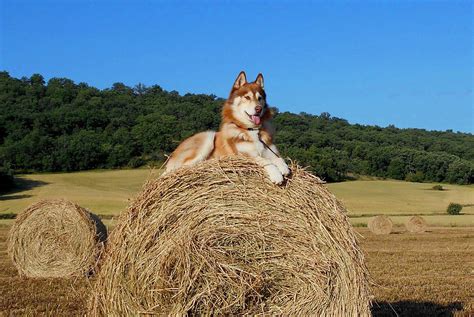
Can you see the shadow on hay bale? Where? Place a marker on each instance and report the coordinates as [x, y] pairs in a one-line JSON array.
[[56, 238], [220, 239], [380, 225], [416, 224]]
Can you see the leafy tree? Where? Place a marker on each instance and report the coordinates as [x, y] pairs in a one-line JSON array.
[[416, 177], [80, 151], [460, 172], [454, 209], [64, 126], [7, 182], [396, 168]]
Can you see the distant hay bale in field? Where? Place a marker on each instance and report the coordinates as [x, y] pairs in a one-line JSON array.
[[220, 239], [380, 225], [56, 238], [416, 224]]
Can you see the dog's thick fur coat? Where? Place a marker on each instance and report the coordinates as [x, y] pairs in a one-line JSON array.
[[245, 130]]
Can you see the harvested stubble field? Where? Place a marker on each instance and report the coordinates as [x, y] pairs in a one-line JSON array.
[[429, 274], [106, 192]]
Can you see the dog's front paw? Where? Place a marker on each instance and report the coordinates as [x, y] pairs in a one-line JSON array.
[[282, 167], [274, 174]]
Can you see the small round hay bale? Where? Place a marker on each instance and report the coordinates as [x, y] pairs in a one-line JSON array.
[[220, 239], [416, 224], [56, 238], [380, 225]]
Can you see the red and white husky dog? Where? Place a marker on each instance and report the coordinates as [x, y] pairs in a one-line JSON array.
[[245, 130]]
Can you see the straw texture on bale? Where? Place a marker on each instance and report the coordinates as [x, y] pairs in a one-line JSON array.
[[416, 224], [220, 239], [380, 225], [56, 238]]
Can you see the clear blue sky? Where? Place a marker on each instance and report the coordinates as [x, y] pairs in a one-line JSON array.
[[407, 63]]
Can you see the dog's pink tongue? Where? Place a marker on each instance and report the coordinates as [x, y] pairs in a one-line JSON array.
[[256, 120]]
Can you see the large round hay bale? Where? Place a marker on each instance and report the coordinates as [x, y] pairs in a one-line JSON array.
[[416, 224], [220, 239], [380, 225], [56, 238]]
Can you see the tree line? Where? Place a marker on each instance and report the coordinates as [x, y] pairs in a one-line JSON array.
[[64, 126]]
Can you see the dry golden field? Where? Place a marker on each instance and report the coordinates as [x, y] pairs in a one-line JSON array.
[[107, 192], [429, 274]]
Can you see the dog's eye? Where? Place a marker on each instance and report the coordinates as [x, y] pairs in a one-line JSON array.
[[259, 98], [247, 97]]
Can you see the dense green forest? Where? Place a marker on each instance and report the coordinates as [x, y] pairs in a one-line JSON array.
[[64, 126]]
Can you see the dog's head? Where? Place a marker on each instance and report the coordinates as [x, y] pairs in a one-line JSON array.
[[247, 102]]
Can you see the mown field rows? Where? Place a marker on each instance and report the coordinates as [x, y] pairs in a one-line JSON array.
[[108, 192], [429, 274]]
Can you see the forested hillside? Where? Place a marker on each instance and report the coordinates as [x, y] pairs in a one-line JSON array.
[[63, 126]]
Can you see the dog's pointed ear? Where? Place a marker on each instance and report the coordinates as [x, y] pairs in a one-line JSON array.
[[240, 80], [259, 80]]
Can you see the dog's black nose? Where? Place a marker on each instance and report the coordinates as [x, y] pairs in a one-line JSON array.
[[258, 109]]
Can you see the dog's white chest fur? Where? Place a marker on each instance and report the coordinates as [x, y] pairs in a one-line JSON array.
[[257, 143], [253, 146]]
